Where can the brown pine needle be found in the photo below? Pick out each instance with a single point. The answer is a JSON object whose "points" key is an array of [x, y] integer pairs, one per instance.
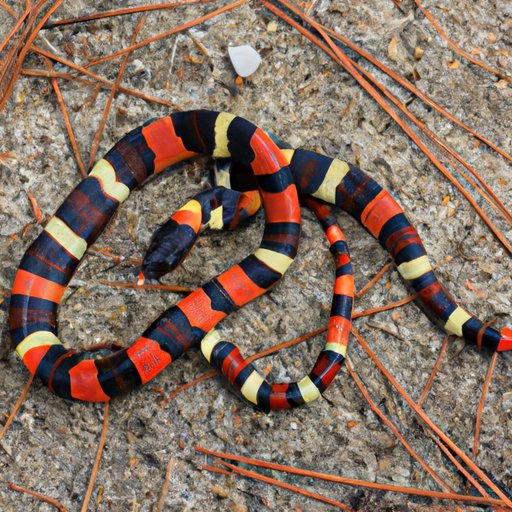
{"points": [[59, 74], [108, 83], [17, 406], [310, 6], [373, 281], [286, 344], [35, 207], [488, 193], [457, 48], [431, 425], [342, 59], [396, 3], [434, 372], [160, 505], [123, 12], [349, 481], [42, 497], [180, 28], [214, 469], [67, 122], [6, 93], [462, 470], [391, 305], [106, 252], [188, 385], [14, 29], [481, 403], [284, 485], [417, 92], [96, 142], [395, 430], [8, 63], [5, 7], [165, 287], [94, 472]]}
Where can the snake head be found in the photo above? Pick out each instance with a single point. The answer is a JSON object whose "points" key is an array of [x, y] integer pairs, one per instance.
{"points": [[506, 340], [169, 245]]}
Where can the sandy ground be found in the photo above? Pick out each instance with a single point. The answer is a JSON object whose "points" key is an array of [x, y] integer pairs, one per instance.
{"points": [[302, 96]]}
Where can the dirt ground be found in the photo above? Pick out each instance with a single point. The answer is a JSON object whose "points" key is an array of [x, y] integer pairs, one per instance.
{"points": [[306, 99]]}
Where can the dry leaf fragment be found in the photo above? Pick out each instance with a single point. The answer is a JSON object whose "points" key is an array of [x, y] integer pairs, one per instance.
{"points": [[418, 52], [192, 59], [454, 64], [99, 497], [221, 492], [479, 293], [202, 48], [35, 207], [393, 49], [7, 155]]}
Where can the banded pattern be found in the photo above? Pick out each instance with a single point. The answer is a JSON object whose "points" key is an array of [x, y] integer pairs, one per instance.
{"points": [[51, 260], [216, 208], [244, 376], [348, 187], [166, 251]]}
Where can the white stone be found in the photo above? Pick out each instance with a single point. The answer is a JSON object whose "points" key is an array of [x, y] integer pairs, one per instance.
{"points": [[245, 59]]}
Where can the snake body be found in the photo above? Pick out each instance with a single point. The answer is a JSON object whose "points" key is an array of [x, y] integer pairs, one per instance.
{"points": [[348, 187], [224, 208], [50, 261]]}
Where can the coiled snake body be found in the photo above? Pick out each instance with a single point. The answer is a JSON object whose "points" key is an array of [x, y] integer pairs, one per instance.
{"points": [[50, 261]]}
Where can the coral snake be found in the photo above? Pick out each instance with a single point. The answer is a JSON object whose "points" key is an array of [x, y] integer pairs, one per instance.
{"points": [[279, 174]]}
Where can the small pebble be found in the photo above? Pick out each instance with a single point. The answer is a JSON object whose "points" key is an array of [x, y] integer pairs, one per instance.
{"points": [[245, 59], [272, 27], [137, 67], [506, 401], [221, 492], [418, 52]]}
